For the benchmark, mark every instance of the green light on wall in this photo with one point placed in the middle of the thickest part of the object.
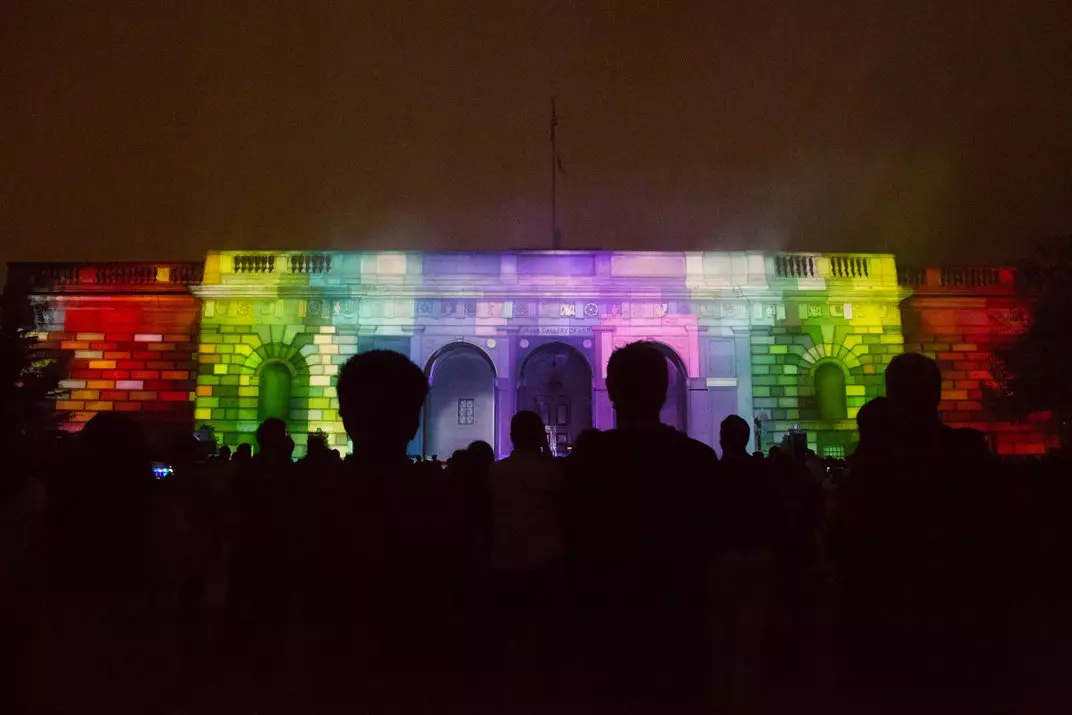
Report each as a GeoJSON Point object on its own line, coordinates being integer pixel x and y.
{"type": "Point", "coordinates": [275, 387]}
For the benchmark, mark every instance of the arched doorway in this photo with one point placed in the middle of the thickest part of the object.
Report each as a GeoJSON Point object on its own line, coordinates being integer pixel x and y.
{"type": "Point", "coordinates": [460, 408]}
{"type": "Point", "coordinates": [556, 383]}
{"type": "Point", "coordinates": [275, 387]}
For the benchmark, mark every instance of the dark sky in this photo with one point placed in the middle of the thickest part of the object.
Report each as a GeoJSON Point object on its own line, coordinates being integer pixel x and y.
{"type": "Point", "coordinates": [939, 130]}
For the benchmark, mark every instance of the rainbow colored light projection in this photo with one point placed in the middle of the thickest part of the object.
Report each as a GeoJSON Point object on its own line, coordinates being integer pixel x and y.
{"type": "Point", "coordinates": [744, 333]}
{"type": "Point", "coordinates": [788, 340]}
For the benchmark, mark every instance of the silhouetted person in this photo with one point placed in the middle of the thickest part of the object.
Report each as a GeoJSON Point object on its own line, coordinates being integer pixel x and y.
{"type": "Point", "coordinates": [921, 545]}
{"type": "Point", "coordinates": [242, 454]}
{"type": "Point", "coordinates": [381, 597]}
{"type": "Point", "coordinates": [639, 502]}
{"type": "Point", "coordinates": [105, 633]}
{"type": "Point", "coordinates": [526, 506]}
{"type": "Point", "coordinates": [745, 496]}
{"type": "Point", "coordinates": [877, 423]}
{"type": "Point", "coordinates": [482, 453]}
{"type": "Point", "coordinates": [260, 595]}
{"type": "Point", "coordinates": [733, 436]}
{"type": "Point", "coordinates": [745, 570]}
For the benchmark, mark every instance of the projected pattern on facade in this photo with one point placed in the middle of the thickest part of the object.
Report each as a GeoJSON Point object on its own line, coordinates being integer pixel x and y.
{"type": "Point", "coordinates": [790, 339]}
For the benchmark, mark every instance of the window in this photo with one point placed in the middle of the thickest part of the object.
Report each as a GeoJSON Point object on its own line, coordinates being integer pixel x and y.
{"type": "Point", "coordinates": [562, 415]}
{"type": "Point", "coordinates": [830, 390]}
{"type": "Point", "coordinates": [466, 411]}
{"type": "Point", "coordinates": [721, 359]}
{"type": "Point", "coordinates": [834, 451]}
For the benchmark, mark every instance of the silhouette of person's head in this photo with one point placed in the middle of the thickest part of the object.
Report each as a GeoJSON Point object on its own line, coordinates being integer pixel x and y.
{"type": "Point", "coordinates": [733, 435]}
{"type": "Point", "coordinates": [224, 454]}
{"type": "Point", "coordinates": [914, 386]}
{"type": "Point", "coordinates": [114, 453]}
{"type": "Point", "coordinates": [273, 439]}
{"type": "Point", "coordinates": [243, 453]}
{"type": "Point", "coordinates": [395, 387]}
{"type": "Point", "coordinates": [481, 454]}
{"type": "Point", "coordinates": [586, 438]}
{"type": "Point", "coordinates": [637, 379]}
{"type": "Point", "coordinates": [527, 432]}
{"type": "Point", "coordinates": [876, 420]}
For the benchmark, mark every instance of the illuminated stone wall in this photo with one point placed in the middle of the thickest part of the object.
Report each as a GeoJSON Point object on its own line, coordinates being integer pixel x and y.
{"type": "Point", "coordinates": [744, 332]}
{"type": "Point", "coordinates": [131, 333]}
{"type": "Point", "coordinates": [960, 317]}
{"type": "Point", "coordinates": [837, 315]}
{"type": "Point", "coordinates": [793, 340]}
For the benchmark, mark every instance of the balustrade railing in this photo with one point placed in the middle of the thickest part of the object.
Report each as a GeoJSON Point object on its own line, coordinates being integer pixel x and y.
{"type": "Point", "coordinates": [794, 265]}
{"type": "Point", "coordinates": [911, 276]}
{"type": "Point", "coordinates": [44, 276]}
{"type": "Point", "coordinates": [311, 263]}
{"type": "Point", "coordinates": [253, 263]}
{"type": "Point", "coordinates": [850, 267]}
{"type": "Point", "coordinates": [959, 278]}
{"type": "Point", "coordinates": [970, 277]}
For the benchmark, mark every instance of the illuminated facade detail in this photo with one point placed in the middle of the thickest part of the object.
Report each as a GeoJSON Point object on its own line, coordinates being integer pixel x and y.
{"type": "Point", "coordinates": [960, 317]}
{"type": "Point", "coordinates": [131, 333]}
{"type": "Point", "coordinates": [793, 340]}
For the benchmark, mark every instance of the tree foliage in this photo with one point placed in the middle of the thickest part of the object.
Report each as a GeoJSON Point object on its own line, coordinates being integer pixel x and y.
{"type": "Point", "coordinates": [29, 376]}
{"type": "Point", "coordinates": [1034, 373]}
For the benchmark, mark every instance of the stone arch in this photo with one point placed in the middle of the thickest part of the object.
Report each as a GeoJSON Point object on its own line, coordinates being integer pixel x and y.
{"type": "Point", "coordinates": [555, 381]}
{"type": "Point", "coordinates": [273, 357]}
{"type": "Point", "coordinates": [461, 406]}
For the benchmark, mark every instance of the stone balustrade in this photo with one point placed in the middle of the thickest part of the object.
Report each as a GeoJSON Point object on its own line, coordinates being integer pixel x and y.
{"type": "Point", "coordinates": [959, 279]}
{"type": "Point", "coordinates": [630, 270]}
{"type": "Point", "coordinates": [71, 277]}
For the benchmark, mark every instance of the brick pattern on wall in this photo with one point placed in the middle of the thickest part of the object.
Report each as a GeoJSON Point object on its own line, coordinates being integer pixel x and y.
{"type": "Point", "coordinates": [135, 354]}
{"type": "Point", "coordinates": [228, 384]}
{"type": "Point", "coordinates": [963, 333]}
{"type": "Point", "coordinates": [784, 360]}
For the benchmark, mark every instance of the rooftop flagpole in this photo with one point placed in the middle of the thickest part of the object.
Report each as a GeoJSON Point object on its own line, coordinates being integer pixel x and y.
{"type": "Point", "coordinates": [556, 166]}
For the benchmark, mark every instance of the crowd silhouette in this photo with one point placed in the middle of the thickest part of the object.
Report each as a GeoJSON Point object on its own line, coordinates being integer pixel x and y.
{"type": "Point", "coordinates": [640, 574]}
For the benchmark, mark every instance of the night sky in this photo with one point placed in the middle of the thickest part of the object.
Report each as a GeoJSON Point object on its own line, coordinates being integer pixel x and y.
{"type": "Point", "coordinates": [938, 130]}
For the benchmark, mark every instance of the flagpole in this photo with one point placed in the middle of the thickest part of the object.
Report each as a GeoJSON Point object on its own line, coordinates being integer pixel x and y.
{"type": "Point", "coordinates": [554, 178]}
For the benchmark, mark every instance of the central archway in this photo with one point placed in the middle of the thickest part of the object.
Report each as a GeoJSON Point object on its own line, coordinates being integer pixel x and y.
{"type": "Point", "coordinates": [460, 407]}
{"type": "Point", "coordinates": [555, 382]}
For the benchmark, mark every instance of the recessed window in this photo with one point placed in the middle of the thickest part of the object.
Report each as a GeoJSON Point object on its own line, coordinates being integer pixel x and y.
{"type": "Point", "coordinates": [830, 390]}
{"type": "Point", "coordinates": [466, 411]}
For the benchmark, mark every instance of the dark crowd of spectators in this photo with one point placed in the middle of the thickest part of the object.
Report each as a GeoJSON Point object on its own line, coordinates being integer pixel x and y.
{"type": "Point", "coordinates": [641, 574]}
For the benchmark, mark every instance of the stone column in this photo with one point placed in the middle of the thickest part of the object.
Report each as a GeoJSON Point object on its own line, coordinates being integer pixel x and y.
{"type": "Point", "coordinates": [743, 358]}
{"type": "Point", "coordinates": [699, 424]}
{"type": "Point", "coordinates": [699, 406]}
{"type": "Point", "coordinates": [416, 354]}
{"type": "Point", "coordinates": [506, 392]}
{"type": "Point", "coordinates": [602, 409]}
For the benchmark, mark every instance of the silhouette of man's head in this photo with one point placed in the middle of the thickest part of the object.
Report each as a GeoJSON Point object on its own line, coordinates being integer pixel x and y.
{"type": "Point", "coordinates": [225, 454]}
{"type": "Point", "coordinates": [527, 432]}
{"type": "Point", "coordinates": [637, 379]}
{"type": "Point", "coordinates": [914, 385]}
{"type": "Point", "coordinates": [272, 438]}
{"type": "Point", "coordinates": [733, 435]}
{"type": "Point", "coordinates": [243, 452]}
{"type": "Point", "coordinates": [481, 453]}
{"type": "Point", "coordinates": [394, 387]}
{"type": "Point", "coordinates": [113, 449]}
{"type": "Point", "coordinates": [876, 420]}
